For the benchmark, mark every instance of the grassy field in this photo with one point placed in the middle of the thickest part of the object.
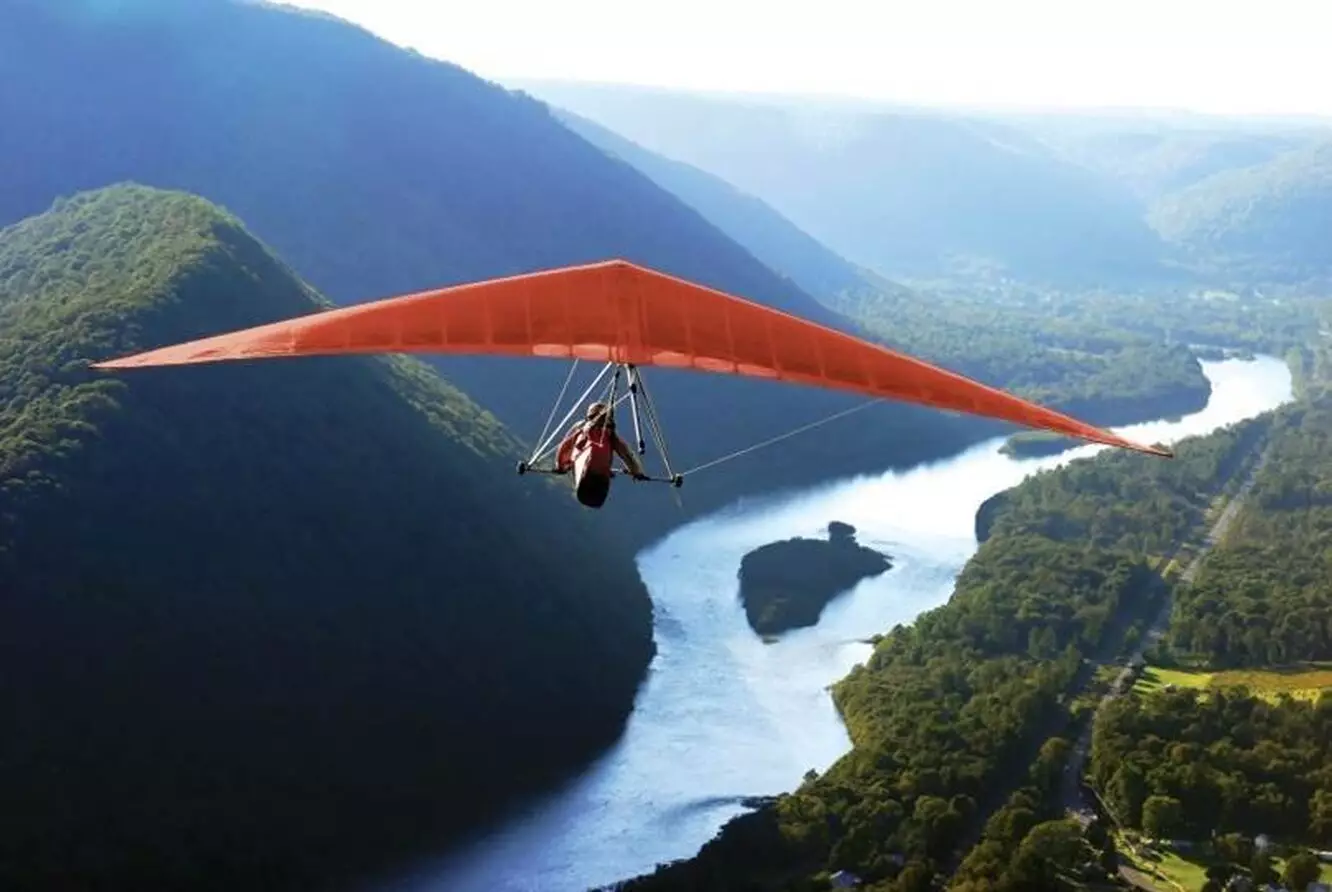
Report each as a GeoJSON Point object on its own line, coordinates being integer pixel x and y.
{"type": "Point", "coordinates": [1304, 682]}
{"type": "Point", "coordinates": [1165, 871]}
{"type": "Point", "coordinates": [1169, 871]}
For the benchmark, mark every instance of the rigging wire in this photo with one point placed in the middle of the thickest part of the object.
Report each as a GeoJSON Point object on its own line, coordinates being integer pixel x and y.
{"type": "Point", "coordinates": [786, 436]}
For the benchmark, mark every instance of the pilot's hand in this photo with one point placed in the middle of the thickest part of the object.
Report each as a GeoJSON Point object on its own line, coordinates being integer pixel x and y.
{"type": "Point", "coordinates": [640, 476]}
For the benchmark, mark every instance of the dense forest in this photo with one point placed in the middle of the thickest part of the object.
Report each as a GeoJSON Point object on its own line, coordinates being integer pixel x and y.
{"type": "Point", "coordinates": [1265, 596]}
{"type": "Point", "coordinates": [1083, 345]}
{"type": "Point", "coordinates": [1115, 502]}
{"type": "Point", "coordinates": [1225, 764]}
{"type": "Point", "coordinates": [1106, 377]}
{"type": "Point", "coordinates": [1187, 765]}
{"type": "Point", "coordinates": [266, 625]}
{"type": "Point", "coordinates": [950, 713]}
{"type": "Point", "coordinates": [1028, 845]}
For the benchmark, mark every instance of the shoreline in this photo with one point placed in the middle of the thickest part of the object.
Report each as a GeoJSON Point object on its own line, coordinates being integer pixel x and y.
{"type": "Point", "coordinates": [751, 814]}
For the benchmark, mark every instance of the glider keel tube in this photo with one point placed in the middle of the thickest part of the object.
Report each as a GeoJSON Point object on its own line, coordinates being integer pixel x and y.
{"type": "Point", "coordinates": [623, 313]}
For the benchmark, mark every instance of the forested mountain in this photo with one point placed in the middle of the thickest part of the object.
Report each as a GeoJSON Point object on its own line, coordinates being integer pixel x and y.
{"type": "Point", "coordinates": [375, 171]}
{"type": "Point", "coordinates": [915, 194]}
{"type": "Point", "coordinates": [1067, 200]}
{"type": "Point", "coordinates": [1081, 360]}
{"type": "Point", "coordinates": [752, 222]}
{"type": "Point", "coordinates": [1268, 220]}
{"type": "Point", "coordinates": [1157, 155]}
{"type": "Point", "coordinates": [1243, 199]}
{"type": "Point", "coordinates": [266, 625]}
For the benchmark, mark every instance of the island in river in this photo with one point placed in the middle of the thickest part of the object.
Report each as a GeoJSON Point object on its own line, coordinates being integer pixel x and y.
{"type": "Point", "coordinates": [785, 585]}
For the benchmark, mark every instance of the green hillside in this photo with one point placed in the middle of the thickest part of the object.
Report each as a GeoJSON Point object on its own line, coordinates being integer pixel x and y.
{"type": "Point", "coordinates": [1268, 220]}
{"type": "Point", "coordinates": [1156, 155]}
{"type": "Point", "coordinates": [752, 222]}
{"type": "Point", "coordinates": [266, 624]}
{"type": "Point", "coordinates": [375, 171]}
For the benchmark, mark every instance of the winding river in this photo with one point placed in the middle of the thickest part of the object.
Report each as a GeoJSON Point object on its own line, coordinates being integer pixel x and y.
{"type": "Point", "coordinates": [723, 716]}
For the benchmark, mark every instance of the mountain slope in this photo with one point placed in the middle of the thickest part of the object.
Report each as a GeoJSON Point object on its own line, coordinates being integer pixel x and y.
{"type": "Point", "coordinates": [267, 625]}
{"type": "Point", "coordinates": [1273, 216]}
{"type": "Point", "coordinates": [905, 194]}
{"type": "Point", "coordinates": [1155, 157]}
{"type": "Point", "coordinates": [1126, 379]}
{"type": "Point", "coordinates": [752, 222]}
{"type": "Point", "coordinates": [375, 171]}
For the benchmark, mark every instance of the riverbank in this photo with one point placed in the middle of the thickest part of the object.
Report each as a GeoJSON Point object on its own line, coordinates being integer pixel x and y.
{"type": "Point", "coordinates": [943, 714]}
{"type": "Point", "coordinates": [724, 716]}
{"type": "Point", "coordinates": [1168, 405]}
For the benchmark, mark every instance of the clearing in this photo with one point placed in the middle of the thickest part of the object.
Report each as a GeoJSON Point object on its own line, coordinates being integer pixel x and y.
{"type": "Point", "coordinates": [1305, 681]}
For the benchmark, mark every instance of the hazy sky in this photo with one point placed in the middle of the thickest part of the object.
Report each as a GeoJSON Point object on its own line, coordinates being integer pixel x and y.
{"type": "Point", "coordinates": [1256, 56]}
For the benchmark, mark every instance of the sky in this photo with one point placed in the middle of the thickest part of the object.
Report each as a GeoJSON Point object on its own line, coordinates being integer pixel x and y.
{"type": "Point", "coordinates": [1210, 56]}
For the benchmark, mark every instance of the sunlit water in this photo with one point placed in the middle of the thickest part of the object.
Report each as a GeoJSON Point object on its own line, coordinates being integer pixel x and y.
{"type": "Point", "coordinates": [724, 716]}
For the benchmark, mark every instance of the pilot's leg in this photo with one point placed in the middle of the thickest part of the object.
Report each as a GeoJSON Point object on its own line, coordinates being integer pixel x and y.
{"type": "Point", "coordinates": [592, 489]}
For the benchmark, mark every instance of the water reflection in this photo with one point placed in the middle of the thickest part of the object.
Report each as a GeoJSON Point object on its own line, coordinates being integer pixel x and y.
{"type": "Point", "coordinates": [724, 716]}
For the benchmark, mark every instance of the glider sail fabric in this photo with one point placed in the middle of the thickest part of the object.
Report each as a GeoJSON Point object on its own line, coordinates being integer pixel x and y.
{"type": "Point", "coordinates": [620, 312]}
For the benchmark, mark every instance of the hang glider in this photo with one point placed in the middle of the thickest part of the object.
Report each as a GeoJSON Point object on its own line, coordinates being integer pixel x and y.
{"type": "Point", "coordinates": [628, 317]}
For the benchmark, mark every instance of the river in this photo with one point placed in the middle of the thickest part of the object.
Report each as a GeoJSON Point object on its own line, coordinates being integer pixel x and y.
{"type": "Point", "coordinates": [724, 716]}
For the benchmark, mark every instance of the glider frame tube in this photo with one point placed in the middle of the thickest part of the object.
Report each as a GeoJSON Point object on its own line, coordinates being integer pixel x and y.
{"type": "Point", "coordinates": [641, 407]}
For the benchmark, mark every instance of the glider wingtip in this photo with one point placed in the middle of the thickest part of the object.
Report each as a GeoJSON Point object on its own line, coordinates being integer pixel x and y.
{"type": "Point", "coordinates": [138, 360]}
{"type": "Point", "coordinates": [1158, 449]}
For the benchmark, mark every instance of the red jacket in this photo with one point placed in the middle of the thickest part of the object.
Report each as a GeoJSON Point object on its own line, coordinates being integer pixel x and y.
{"type": "Point", "coordinates": [596, 447]}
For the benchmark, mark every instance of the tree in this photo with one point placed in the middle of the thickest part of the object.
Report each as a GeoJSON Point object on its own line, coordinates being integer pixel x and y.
{"type": "Point", "coordinates": [1126, 791]}
{"type": "Point", "coordinates": [939, 822]}
{"type": "Point", "coordinates": [1300, 871]}
{"type": "Point", "coordinates": [1235, 848]}
{"type": "Point", "coordinates": [1056, 842]}
{"type": "Point", "coordinates": [1261, 869]}
{"type": "Point", "coordinates": [1161, 816]}
{"type": "Point", "coordinates": [1050, 762]}
{"type": "Point", "coordinates": [1042, 643]}
{"type": "Point", "coordinates": [1109, 857]}
{"type": "Point", "coordinates": [1320, 816]}
{"type": "Point", "coordinates": [915, 877]}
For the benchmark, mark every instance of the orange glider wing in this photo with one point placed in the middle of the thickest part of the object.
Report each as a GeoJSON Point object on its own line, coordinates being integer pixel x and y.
{"type": "Point", "coordinates": [618, 311]}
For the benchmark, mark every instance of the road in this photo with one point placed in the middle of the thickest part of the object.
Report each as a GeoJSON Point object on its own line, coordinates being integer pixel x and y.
{"type": "Point", "coordinates": [1075, 796]}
